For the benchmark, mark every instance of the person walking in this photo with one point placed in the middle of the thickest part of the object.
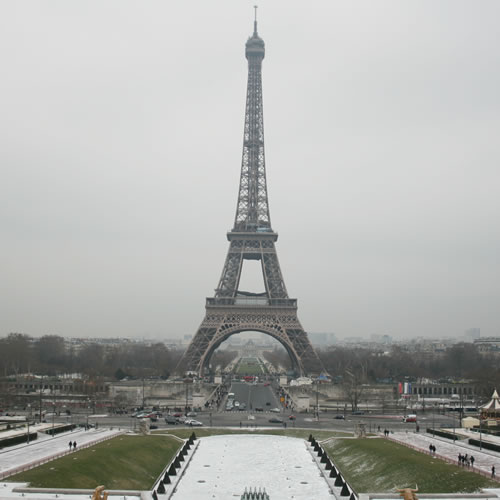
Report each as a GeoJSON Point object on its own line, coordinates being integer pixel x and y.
{"type": "Point", "coordinates": [472, 460]}
{"type": "Point", "coordinates": [70, 445]}
{"type": "Point", "coordinates": [74, 445]}
{"type": "Point", "coordinates": [492, 471]}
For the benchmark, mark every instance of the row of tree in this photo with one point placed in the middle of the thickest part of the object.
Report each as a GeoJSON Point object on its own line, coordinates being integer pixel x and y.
{"type": "Point", "coordinates": [458, 362]}
{"type": "Point", "coordinates": [52, 355]}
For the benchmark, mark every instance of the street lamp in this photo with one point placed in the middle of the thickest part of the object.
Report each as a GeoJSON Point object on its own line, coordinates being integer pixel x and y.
{"type": "Point", "coordinates": [317, 404]}
{"type": "Point", "coordinates": [433, 415]}
{"type": "Point", "coordinates": [480, 433]}
{"type": "Point", "coordinates": [28, 419]}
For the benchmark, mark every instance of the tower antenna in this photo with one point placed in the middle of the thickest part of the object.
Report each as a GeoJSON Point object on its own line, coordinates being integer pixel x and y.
{"type": "Point", "coordinates": [255, 21]}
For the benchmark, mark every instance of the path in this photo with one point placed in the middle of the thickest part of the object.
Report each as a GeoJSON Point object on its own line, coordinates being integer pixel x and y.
{"type": "Point", "coordinates": [42, 449]}
{"type": "Point", "coordinates": [446, 449]}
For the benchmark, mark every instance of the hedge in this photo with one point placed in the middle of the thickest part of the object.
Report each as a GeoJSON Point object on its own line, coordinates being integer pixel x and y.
{"type": "Point", "coordinates": [484, 444]}
{"type": "Point", "coordinates": [57, 430]}
{"type": "Point", "coordinates": [22, 438]}
{"type": "Point", "coordinates": [445, 434]}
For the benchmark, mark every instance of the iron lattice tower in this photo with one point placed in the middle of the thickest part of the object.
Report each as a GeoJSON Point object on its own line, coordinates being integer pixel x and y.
{"type": "Point", "coordinates": [232, 310]}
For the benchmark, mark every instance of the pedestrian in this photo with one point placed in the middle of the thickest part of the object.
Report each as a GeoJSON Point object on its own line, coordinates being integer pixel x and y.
{"type": "Point", "coordinates": [492, 471]}
{"type": "Point", "coordinates": [74, 445]}
{"type": "Point", "coordinates": [472, 460]}
{"type": "Point", "coordinates": [459, 459]}
{"type": "Point", "coordinates": [430, 449]}
{"type": "Point", "coordinates": [70, 445]}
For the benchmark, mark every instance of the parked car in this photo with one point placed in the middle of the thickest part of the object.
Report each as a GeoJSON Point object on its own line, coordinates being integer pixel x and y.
{"type": "Point", "coordinates": [171, 420]}
{"type": "Point", "coordinates": [192, 414]}
{"type": "Point", "coordinates": [358, 412]}
{"type": "Point", "coordinates": [258, 408]}
{"type": "Point", "coordinates": [340, 417]}
{"type": "Point", "coordinates": [276, 420]}
{"type": "Point", "coordinates": [275, 410]}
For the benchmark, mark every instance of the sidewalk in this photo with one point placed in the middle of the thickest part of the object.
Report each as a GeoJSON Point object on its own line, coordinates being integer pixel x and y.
{"type": "Point", "coordinates": [21, 456]}
{"type": "Point", "coordinates": [447, 450]}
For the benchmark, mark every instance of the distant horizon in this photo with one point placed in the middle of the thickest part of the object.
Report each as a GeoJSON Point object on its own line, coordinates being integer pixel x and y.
{"type": "Point", "coordinates": [166, 338]}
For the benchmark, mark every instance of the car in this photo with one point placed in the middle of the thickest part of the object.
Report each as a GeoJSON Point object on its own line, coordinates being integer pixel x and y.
{"type": "Point", "coordinates": [243, 406]}
{"type": "Point", "coordinates": [292, 417]}
{"type": "Point", "coordinates": [171, 420]}
{"type": "Point", "coordinates": [195, 423]}
{"type": "Point", "coordinates": [153, 426]}
{"type": "Point", "coordinates": [178, 414]}
{"type": "Point", "coordinates": [358, 412]}
{"type": "Point", "coordinates": [258, 408]}
{"type": "Point", "coordinates": [236, 404]}
{"type": "Point", "coordinates": [268, 404]}
{"type": "Point", "coordinates": [275, 410]}
{"type": "Point", "coordinates": [410, 418]}
{"type": "Point", "coordinates": [192, 414]}
{"type": "Point", "coordinates": [339, 417]}
{"type": "Point", "coordinates": [267, 384]}
{"type": "Point", "coordinates": [276, 420]}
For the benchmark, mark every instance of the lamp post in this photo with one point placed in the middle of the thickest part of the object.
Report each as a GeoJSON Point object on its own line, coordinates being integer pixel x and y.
{"type": "Point", "coordinates": [88, 411]}
{"type": "Point", "coordinates": [317, 403]}
{"type": "Point", "coordinates": [480, 433]}
{"type": "Point", "coordinates": [433, 414]}
{"type": "Point", "coordinates": [53, 416]}
{"type": "Point", "coordinates": [28, 419]}
{"type": "Point", "coordinates": [41, 391]}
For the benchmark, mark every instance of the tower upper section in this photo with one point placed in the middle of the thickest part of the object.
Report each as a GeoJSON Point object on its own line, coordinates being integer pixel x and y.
{"type": "Point", "coordinates": [252, 211]}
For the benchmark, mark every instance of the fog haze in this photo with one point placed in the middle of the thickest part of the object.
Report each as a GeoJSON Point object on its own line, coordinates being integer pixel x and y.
{"type": "Point", "coordinates": [121, 134]}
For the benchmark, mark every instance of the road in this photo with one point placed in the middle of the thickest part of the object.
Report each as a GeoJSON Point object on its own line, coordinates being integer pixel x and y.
{"type": "Point", "coordinates": [258, 395]}
{"type": "Point", "coordinates": [254, 395]}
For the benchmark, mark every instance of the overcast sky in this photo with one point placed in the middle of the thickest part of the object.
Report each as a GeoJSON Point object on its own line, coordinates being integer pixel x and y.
{"type": "Point", "coordinates": [121, 129]}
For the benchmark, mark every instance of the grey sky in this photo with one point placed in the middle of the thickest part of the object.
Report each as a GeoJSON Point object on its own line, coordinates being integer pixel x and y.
{"type": "Point", "coordinates": [121, 131]}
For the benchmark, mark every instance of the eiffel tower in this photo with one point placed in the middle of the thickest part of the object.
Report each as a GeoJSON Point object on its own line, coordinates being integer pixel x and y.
{"type": "Point", "coordinates": [232, 310]}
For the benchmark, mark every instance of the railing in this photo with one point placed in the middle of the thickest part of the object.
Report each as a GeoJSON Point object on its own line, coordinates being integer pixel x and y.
{"type": "Point", "coordinates": [36, 463]}
{"type": "Point", "coordinates": [250, 302]}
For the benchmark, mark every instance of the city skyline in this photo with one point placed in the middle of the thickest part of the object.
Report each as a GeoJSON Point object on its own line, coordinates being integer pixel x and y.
{"type": "Point", "coordinates": [123, 130]}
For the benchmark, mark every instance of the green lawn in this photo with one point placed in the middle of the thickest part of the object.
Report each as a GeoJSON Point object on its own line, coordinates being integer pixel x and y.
{"type": "Point", "coordinates": [124, 462]}
{"type": "Point", "coordinates": [377, 465]}
{"type": "Point", "coordinates": [249, 366]}
{"type": "Point", "coordinates": [184, 433]}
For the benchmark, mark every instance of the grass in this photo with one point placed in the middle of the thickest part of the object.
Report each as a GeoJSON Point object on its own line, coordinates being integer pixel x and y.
{"type": "Point", "coordinates": [124, 462]}
{"type": "Point", "coordinates": [184, 433]}
{"type": "Point", "coordinates": [248, 367]}
{"type": "Point", "coordinates": [377, 466]}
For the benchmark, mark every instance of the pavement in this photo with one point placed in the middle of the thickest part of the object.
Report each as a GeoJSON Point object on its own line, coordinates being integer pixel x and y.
{"type": "Point", "coordinates": [17, 458]}
{"type": "Point", "coordinates": [484, 460]}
